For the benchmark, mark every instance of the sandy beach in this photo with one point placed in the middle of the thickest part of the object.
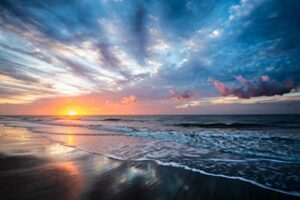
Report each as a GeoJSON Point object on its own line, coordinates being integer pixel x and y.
{"type": "Point", "coordinates": [33, 167]}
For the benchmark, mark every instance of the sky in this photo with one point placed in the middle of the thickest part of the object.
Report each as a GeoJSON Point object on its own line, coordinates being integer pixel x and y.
{"type": "Point", "coordinates": [149, 57]}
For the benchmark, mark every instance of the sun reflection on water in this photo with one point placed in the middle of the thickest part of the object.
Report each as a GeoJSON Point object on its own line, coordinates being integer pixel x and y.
{"type": "Point", "coordinates": [70, 140]}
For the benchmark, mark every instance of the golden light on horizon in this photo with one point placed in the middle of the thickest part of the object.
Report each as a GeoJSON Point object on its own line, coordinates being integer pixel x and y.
{"type": "Point", "coordinates": [72, 110]}
{"type": "Point", "coordinates": [72, 113]}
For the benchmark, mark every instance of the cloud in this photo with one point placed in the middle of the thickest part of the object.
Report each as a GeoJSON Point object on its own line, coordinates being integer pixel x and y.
{"type": "Point", "coordinates": [8, 70]}
{"type": "Point", "coordinates": [184, 73]}
{"type": "Point", "coordinates": [261, 86]}
{"type": "Point", "coordinates": [139, 33]}
{"type": "Point", "coordinates": [243, 9]}
{"type": "Point", "coordinates": [177, 95]}
{"type": "Point", "coordinates": [186, 16]}
{"type": "Point", "coordinates": [129, 100]}
{"type": "Point", "coordinates": [62, 20]}
{"type": "Point", "coordinates": [108, 58]}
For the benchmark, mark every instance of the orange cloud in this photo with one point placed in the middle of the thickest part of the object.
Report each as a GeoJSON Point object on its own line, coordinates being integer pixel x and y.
{"type": "Point", "coordinates": [129, 100]}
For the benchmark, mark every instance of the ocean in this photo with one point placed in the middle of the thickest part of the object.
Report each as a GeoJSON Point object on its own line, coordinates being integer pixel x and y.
{"type": "Point", "coordinates": [260, 149]}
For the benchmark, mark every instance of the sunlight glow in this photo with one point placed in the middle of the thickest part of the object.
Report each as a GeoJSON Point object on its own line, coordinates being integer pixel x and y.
{"type": "Point", "coordinates": [72, 113]}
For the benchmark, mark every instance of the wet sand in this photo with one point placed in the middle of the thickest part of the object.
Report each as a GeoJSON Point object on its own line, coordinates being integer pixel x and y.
{"type": "Point", "coordinates": [33, 167]}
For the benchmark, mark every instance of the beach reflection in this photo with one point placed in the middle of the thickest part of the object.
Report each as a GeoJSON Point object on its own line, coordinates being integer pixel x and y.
{"type": "Point", "coordinates": [68, 167]}
{"type": "Point", "coordinates": [70, 140]}
{"type": "Point", "coordinates": [58, 150]}
{"type": "Point", "coordinates": [69, 177]}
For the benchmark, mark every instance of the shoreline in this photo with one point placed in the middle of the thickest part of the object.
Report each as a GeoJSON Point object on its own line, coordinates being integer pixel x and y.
{"type": "Point", "coordinates": [36, 167]}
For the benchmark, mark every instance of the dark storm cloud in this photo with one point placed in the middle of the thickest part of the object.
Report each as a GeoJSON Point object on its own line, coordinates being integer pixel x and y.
{"type": "Point", "coordinates": [180, 95]}
{"type": "Point", "coordinates": [261, 86]}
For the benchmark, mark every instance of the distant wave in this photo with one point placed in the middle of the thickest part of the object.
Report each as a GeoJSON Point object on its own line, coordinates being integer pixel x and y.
{"type": "Point", "coordinates": [220, 125]}
{"type": "Point", "coordinates": [119, 119]}
{"type": "Point", "coordinates": [107, 119]}
{"type": "Point", "coordinates": [112, 119]}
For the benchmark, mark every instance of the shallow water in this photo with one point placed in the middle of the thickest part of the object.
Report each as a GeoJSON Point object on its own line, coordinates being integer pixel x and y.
{"type": "Point", "coordinates": [263, 150]}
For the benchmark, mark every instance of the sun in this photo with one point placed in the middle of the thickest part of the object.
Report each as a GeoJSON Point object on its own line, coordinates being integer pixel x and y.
{"type": "Point", "coordinates": [72, 113]}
